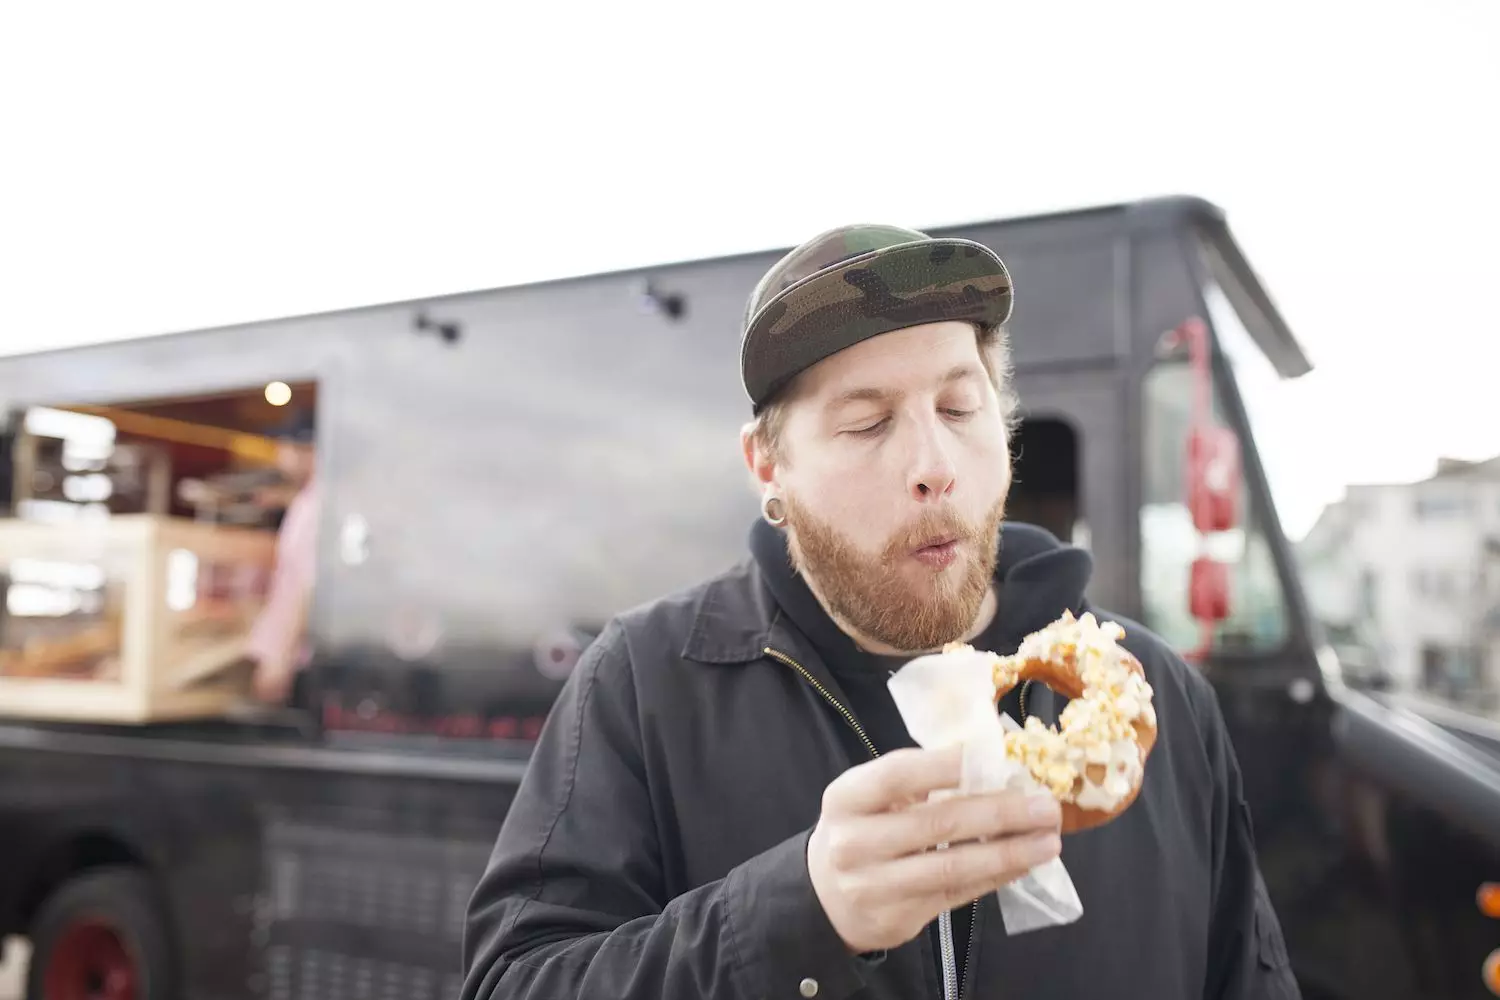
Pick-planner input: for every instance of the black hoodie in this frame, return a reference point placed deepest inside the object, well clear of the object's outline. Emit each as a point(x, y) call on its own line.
point(656, 847)
point(1035, 578)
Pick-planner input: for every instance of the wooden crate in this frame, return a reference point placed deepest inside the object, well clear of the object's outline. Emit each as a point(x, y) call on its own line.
point(132, 618)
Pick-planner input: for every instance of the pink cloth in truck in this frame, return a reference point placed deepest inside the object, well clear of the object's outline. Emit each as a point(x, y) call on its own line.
point(291, 581)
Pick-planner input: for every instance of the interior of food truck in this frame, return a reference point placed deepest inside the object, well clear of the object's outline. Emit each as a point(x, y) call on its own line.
point(1045, 478)
point(139, 541)
point(153, 456)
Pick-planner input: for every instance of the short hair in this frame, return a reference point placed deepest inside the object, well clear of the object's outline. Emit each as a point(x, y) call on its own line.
point(994, 354)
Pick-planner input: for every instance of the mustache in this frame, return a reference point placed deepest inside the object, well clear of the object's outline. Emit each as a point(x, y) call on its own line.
point(932, 528)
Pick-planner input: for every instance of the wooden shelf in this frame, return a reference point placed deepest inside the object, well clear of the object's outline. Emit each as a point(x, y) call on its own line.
point(171, 604)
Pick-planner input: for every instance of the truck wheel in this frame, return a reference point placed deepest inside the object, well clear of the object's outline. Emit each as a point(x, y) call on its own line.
point(101, 935)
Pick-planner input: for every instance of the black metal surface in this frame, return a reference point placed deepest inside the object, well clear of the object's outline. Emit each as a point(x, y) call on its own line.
point(1419, 761)
point(283, 881)
point(380, 759)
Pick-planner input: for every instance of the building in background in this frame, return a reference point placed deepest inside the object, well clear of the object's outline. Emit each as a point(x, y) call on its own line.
point(1406, 579)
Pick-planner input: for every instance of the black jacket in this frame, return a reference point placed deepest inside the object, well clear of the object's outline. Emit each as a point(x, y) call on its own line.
point(657, 845)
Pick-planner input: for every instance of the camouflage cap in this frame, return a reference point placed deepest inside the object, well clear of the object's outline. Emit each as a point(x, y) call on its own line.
point(856, 282)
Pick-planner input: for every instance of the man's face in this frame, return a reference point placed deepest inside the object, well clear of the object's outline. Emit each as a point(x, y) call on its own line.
point(893, 469)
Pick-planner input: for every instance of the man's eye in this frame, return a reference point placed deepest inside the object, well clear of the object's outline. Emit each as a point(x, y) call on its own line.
point(869, 430)
point(958, 414)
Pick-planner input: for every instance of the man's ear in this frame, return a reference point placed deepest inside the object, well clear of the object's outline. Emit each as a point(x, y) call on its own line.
point(757, 459)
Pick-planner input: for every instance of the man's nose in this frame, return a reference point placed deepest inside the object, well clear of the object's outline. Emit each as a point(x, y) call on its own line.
point(933, 475)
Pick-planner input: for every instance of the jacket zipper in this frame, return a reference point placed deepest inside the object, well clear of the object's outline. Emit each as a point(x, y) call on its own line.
point(945, 945)
point(969, 955)
point(945, 919)
point(848, 715)
point(954, 989)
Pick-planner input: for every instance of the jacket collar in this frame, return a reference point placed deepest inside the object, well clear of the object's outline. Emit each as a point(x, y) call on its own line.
point(732, 619)
point(736, 620)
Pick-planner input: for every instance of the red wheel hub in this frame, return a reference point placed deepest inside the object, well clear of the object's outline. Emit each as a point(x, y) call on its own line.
point(90, 962)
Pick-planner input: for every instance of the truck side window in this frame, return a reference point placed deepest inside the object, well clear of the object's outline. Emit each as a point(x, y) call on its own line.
point(1257, 621)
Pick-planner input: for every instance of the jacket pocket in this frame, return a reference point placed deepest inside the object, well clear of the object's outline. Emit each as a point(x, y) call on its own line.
point(1269, 941)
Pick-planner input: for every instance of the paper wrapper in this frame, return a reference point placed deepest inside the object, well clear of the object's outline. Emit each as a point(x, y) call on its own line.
point(949, 699)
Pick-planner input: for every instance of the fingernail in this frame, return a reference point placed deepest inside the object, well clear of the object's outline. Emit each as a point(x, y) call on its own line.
point(1042, 806)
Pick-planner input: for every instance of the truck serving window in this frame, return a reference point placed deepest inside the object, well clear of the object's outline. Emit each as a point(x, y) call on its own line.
point(1257, 614)
point(140, 553)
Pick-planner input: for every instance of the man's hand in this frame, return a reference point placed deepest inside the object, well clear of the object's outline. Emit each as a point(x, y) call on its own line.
point(870, 856)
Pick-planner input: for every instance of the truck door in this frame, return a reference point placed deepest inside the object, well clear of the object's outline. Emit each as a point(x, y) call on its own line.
point(1204, 508)
point(1375, 829)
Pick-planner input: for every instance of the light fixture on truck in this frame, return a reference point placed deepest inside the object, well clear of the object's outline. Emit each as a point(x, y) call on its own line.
point(1488, 900)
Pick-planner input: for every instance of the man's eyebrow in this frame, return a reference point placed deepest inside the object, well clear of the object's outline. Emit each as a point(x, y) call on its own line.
point(867, 393)
point(957, 372)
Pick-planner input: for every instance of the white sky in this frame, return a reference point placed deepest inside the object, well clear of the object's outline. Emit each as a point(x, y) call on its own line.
point(170, 166)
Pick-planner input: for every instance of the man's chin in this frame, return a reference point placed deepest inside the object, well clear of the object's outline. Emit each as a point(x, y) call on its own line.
point(939, 626)
point(935, 602)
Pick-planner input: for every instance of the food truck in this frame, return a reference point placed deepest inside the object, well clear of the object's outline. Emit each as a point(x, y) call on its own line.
point(496, 474)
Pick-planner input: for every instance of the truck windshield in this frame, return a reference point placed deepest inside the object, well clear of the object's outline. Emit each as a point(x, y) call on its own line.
point(1258, 619)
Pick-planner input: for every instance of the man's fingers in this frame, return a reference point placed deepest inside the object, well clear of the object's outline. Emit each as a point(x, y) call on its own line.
point(956, 875)
point(866, 840)
point(898, 778)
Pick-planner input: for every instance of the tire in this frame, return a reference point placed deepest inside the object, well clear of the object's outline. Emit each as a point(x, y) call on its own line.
point(102, 935)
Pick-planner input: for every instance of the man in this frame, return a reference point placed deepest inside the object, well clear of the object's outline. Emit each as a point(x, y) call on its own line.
point(277, 643)
point(725, 802)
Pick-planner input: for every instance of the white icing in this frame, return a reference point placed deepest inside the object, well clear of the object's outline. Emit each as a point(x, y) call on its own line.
point(1097, 729)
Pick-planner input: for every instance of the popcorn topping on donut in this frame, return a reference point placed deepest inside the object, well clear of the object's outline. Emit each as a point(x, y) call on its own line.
point(1095, 759)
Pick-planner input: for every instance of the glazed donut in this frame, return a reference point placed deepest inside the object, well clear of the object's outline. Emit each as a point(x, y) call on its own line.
point(1095, 760)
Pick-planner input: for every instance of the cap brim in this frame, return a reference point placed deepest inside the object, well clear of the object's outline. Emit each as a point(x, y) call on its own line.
point(908, 284)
